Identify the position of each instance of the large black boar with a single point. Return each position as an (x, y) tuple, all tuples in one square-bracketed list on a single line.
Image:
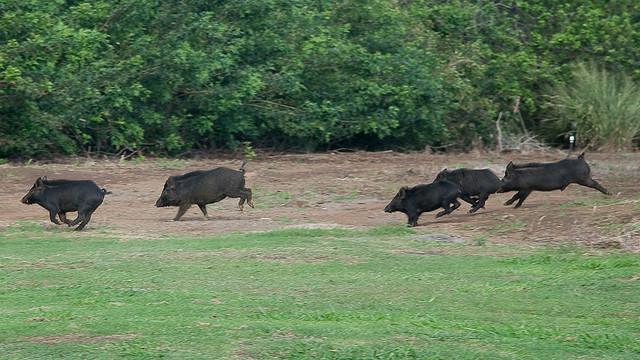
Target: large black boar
[(423, 198), (204, 187), (63, 196), (476, 185), (547, 177)]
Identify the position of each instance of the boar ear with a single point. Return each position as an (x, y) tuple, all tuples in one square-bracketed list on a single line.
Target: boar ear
[(581, 156), (509, 167), (40, 181), (403, 191)]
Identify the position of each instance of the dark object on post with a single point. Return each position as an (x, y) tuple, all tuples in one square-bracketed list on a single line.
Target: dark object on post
[(424, 198), (62, 196), (476, 185), (204, 187), (547, 177)]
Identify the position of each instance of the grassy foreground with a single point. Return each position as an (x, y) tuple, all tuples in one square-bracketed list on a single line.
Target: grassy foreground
[(385, 293)]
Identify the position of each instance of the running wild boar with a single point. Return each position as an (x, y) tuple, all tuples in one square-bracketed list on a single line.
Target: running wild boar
[(62, 196), (424, 198), (204, 187), (476, 185), (547, 177)]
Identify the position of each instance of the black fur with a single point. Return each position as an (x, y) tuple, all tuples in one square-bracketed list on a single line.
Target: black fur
[(547, 177), (476, 185), (204, 187), (62, 196), (424, 198)]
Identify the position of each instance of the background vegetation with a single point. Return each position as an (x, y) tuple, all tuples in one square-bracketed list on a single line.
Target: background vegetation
[(170, 76)]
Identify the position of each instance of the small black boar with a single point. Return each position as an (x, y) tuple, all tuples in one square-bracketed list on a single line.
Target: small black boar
[(476, 185), (63, 196), (423, 198), (204, 187), (547, 177)]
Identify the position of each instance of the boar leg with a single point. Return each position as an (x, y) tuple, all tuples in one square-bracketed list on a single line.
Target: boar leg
[(448, 209), (75, 221), (481, 201), (63, 218), (468, 199), (203, 208), (249, 197), (456, 204), (523, 196), (594, 185), (245, 195), (52, 217), (514, 198), (181, 211), (412, 218), (85, 219)]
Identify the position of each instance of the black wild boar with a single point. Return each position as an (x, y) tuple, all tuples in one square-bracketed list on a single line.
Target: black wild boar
[(423, 198), (547, 177), (63, 196), (204, 187), (476, 185)]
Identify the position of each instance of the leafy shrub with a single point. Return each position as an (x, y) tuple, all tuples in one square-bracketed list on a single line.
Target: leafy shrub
[(604, 107)]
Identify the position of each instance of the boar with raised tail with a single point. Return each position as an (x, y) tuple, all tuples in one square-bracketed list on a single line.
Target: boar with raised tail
[(423, 198), (547, 177), (476, 185), (204, 187), (62, 196)]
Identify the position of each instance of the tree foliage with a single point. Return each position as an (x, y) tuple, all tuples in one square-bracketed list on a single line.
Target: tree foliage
[(169, 76)]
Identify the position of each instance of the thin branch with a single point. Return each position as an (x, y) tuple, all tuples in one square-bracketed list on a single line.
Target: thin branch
[(499, 129), (275, 104)]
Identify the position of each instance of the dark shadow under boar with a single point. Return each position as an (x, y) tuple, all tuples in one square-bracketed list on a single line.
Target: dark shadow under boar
[(424, 198), (547, 177), (476, 185), (204, 187), (62, 196)]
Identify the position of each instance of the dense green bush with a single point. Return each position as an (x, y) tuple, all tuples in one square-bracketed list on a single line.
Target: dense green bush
[(170, 76)]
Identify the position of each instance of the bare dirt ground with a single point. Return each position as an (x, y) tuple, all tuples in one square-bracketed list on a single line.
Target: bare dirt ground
[(346, 189)]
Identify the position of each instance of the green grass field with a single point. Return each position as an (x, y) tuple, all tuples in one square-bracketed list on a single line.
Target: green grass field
[(384, 293)]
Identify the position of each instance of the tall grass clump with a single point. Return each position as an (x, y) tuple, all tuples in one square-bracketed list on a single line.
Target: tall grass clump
[(603, 107)]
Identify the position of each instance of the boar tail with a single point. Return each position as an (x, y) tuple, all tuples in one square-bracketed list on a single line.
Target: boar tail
[(242, 166), (106, 192)]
